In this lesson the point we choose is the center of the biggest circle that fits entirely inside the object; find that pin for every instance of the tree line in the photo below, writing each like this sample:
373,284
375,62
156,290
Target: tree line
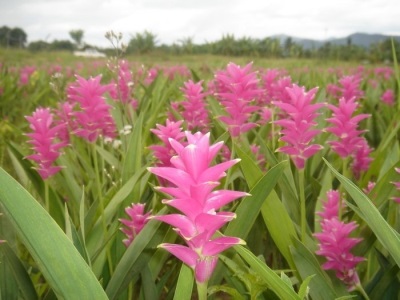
146,42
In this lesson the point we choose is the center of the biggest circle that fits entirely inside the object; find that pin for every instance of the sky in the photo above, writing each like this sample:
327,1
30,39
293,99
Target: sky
201,20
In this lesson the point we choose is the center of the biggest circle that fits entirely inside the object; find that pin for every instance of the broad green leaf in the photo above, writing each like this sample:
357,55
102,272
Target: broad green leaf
133,156
307,265
61,264
279,225
184,286
19,273
304,288
133,261
249,207
384,233
273,281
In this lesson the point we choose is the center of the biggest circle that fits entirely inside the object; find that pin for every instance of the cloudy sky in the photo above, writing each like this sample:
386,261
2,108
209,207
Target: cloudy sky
202,20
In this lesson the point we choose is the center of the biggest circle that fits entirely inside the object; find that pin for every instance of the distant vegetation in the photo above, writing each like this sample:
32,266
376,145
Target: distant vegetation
372,48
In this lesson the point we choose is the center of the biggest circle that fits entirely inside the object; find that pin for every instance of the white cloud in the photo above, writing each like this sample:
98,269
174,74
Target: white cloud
203,20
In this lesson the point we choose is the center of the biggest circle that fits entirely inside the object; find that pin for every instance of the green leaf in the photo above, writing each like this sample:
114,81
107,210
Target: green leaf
307,265
21,276
61,264
133,156
384,233
304,289
249,207
135,257
279,225
274,282
184,286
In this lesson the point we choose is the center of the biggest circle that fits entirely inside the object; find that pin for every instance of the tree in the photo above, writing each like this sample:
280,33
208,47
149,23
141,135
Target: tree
62,45
12,37
142,42
38,46
77,36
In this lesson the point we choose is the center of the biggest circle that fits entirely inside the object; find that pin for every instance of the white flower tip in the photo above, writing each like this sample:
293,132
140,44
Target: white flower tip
242,242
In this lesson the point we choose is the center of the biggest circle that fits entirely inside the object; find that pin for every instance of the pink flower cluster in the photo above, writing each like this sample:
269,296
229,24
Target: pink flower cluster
237,90
164,153
349,142
298,129
43,139
123,89
397,185
348,88
194,108
388,97
135,223
93,117
335,244
192,183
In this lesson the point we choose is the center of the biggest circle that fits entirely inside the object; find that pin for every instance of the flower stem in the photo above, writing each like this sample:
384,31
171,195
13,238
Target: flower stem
202,290
46,196
346,174
101,201
362,291
303,219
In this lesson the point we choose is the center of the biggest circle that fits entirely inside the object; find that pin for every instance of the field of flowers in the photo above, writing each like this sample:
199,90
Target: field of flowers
122,181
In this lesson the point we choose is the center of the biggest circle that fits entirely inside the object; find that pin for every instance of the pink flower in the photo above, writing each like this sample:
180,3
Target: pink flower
193,181
237,89
135,223
123,89
335,243
351,87
164,153
330,206
370,187
64,119
298,132
93,117
361,158
397,185
151,76
25,74
195,111
43,139
388,97
345,127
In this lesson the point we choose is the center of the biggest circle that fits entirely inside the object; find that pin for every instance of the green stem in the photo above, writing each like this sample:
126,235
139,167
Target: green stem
202,290
345,172
46,196
303,218
362,291
273,129
101,201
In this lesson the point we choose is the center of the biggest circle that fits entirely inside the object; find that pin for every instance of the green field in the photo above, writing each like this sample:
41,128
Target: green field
311,148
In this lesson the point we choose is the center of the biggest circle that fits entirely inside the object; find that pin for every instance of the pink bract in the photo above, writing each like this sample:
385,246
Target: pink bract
43,138
192,183
298,125
137,220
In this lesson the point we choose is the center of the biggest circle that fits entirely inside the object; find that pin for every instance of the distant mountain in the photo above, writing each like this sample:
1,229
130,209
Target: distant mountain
359,39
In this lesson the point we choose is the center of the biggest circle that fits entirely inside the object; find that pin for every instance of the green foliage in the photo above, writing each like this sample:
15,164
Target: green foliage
63,238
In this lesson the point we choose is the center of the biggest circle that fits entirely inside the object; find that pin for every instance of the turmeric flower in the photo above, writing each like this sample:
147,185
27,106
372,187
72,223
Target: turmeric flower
298,129
135,223
335,243
93,117
193,181
195,111
237,89
43,139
